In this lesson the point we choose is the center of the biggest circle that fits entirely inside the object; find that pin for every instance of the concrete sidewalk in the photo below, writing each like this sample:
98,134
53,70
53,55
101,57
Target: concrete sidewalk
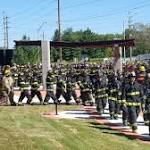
142,132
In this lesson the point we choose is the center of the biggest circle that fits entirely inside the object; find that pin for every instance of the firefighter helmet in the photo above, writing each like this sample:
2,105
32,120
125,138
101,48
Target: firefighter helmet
7,72
142,68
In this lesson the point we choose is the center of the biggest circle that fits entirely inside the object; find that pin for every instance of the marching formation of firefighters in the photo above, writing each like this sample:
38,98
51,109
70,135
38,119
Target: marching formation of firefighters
126,93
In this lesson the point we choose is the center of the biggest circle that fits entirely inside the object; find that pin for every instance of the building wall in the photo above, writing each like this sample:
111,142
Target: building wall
6,56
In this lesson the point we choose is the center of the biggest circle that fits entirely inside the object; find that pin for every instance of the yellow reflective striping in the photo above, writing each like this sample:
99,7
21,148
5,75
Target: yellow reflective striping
102,89
101,96
147,112
112,98
50,90
133,104
133,93
113,90
85,90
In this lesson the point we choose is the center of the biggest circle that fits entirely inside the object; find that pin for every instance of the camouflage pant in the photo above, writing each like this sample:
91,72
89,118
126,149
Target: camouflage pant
3,100
5,97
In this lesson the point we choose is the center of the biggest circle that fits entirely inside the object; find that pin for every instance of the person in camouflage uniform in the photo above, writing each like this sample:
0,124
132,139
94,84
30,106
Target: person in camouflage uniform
7,86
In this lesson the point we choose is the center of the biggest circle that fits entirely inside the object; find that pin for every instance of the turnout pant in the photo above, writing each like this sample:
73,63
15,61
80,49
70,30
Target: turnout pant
113,107
147,113
60,92
24,94
100,103
86,96
130,113
50,94
72,93
37,93
133,113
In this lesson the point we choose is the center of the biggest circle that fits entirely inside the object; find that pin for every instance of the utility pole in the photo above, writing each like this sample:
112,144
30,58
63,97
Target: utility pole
5,30
7,44
124,48
129,26
59,29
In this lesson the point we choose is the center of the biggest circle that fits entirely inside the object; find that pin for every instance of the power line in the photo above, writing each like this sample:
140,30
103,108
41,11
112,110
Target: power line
141,6
81,4
31,9
111,13
34,18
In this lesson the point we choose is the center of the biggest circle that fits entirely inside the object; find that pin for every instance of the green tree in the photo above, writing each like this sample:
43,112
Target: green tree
27,54
141,33
84,36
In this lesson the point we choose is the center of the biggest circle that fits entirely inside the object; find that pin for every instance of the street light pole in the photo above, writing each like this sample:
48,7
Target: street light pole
39,29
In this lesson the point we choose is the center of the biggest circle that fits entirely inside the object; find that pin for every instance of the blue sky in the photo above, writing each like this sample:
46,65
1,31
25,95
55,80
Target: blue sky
101,16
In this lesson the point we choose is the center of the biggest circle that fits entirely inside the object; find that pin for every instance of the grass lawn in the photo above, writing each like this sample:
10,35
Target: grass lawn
24,128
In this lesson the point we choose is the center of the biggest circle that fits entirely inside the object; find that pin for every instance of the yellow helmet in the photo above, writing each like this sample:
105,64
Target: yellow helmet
142,68
7,72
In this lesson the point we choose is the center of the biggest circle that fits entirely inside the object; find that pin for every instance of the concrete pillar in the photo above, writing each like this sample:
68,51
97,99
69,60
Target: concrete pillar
130,53
45,60
117,64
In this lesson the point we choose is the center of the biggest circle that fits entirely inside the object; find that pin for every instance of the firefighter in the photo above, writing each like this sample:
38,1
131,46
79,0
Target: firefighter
50,81
100,90
71,89
140,74
122,101
147,101
24,85
86,90
113,90
60,87
35,91
133,94
15,75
